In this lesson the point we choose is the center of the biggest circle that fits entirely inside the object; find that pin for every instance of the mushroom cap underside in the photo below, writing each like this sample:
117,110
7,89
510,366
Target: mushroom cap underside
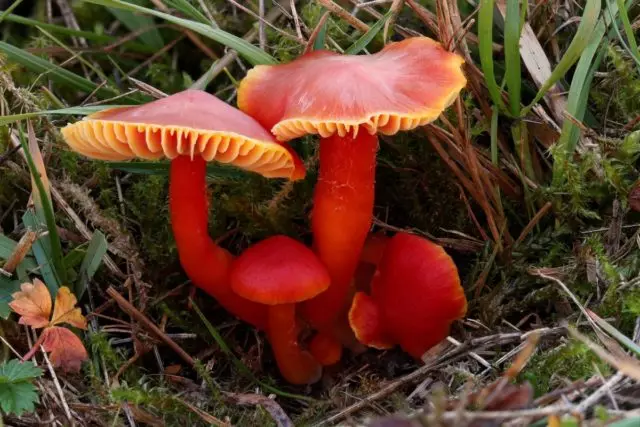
190,123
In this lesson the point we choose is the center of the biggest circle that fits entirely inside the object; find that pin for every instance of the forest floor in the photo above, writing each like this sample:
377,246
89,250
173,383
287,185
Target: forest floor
528,181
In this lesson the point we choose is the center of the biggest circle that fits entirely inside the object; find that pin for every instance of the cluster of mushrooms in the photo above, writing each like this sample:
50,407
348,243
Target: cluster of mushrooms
351,288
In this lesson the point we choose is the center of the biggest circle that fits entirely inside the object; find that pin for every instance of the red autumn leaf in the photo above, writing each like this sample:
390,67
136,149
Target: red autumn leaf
67,351
65,310
33,304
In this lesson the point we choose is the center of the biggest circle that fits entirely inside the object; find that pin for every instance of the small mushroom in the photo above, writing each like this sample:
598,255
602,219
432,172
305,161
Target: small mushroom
325,349
281,272
191,128
415,296
348,100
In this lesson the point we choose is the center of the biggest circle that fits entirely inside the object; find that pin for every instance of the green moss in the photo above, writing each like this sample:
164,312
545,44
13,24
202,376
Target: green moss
571,361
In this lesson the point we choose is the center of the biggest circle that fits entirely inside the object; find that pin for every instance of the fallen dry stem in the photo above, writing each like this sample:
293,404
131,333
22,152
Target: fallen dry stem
149,325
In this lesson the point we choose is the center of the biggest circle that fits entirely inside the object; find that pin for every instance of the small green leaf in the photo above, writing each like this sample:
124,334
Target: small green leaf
7,288
17,392
92,260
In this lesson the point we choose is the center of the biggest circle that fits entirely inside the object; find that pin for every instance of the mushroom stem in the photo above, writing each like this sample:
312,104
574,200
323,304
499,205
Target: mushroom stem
296,365
341,218
204,262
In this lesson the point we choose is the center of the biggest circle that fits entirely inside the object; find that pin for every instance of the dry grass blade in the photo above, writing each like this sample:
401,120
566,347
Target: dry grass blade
316,31
21,251
625,364
149,325
535,220
343,14
277,413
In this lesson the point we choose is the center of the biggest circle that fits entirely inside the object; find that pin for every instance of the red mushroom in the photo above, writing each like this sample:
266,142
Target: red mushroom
347,100
281,272
415,296
190,128
325,349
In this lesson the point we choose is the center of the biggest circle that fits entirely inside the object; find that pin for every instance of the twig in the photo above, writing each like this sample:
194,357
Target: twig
67,411
262,37
343,14
20,252
314,35
535,220
277,413
148,324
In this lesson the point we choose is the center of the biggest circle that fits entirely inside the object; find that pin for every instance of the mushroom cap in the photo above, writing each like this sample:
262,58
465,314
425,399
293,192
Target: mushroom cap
418,292
325,349
405,85
278,270
367,323
191,122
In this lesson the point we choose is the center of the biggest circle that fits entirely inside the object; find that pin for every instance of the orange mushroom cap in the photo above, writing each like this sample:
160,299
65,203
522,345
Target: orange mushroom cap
405,85
278,270
415,296
191,123
325,349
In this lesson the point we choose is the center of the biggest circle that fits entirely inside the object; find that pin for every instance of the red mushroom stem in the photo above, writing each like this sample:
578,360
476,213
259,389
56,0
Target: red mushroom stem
341,218
204,262
296,365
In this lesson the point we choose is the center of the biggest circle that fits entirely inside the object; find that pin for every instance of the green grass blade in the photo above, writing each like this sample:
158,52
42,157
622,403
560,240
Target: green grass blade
135,22
628,29
89,35
580,41
44,255
367,37
237,362
635,55
512,55
44,206
80,111
54,72
576,102
92,260
485,45
7,246
245,49
627,342
10,9
318,43
215,171
189,10
60,43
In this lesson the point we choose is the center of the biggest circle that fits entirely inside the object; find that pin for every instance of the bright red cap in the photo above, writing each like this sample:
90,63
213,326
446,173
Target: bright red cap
367,323
325,349
278,270
190,123
415,296
419,292
405,85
